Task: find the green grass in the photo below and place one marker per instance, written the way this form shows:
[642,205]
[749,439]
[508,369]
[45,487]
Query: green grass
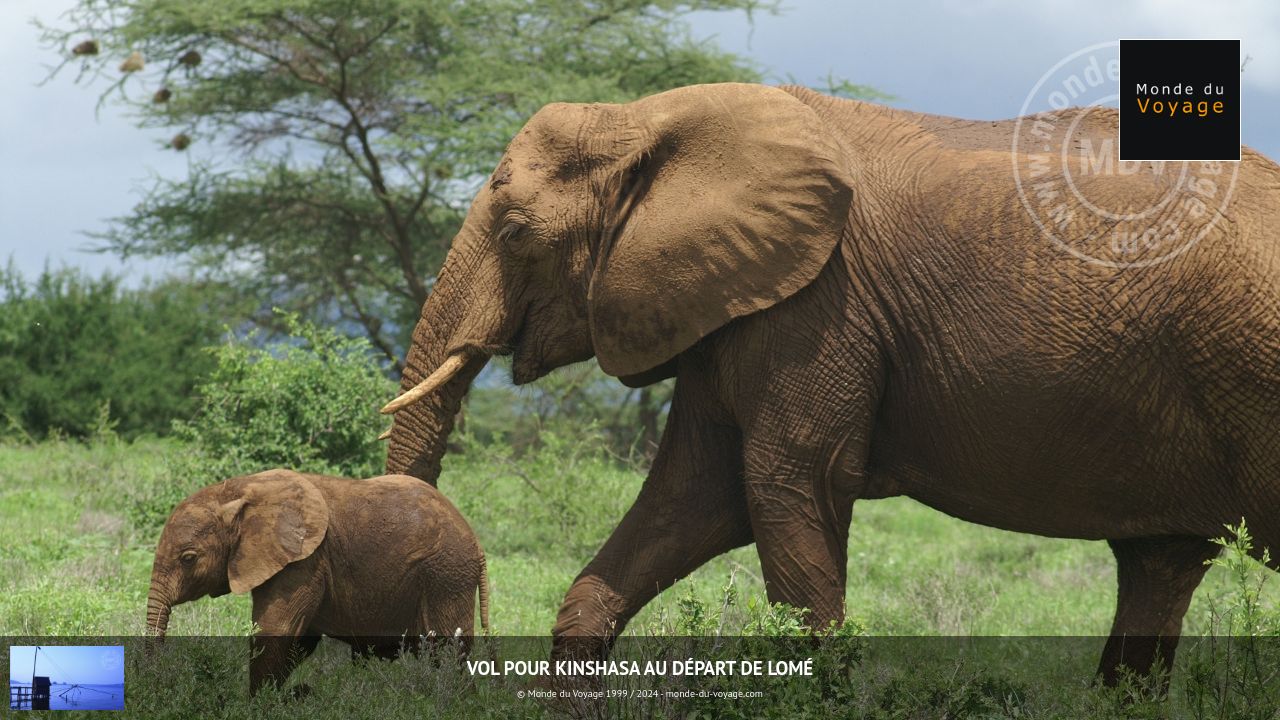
[75,556]
[72,561]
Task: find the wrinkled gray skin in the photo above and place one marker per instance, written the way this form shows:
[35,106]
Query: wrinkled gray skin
[371,562]
[855,304]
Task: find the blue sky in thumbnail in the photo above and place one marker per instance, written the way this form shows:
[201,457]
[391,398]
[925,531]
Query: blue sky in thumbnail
[75,664]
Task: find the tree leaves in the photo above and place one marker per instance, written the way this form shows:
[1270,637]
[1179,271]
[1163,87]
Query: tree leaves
[339,141]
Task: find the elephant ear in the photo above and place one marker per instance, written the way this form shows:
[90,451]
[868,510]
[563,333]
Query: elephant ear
[276,517]
[733,200]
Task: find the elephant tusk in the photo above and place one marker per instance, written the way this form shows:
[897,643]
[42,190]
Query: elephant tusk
[442,375]
[386,433]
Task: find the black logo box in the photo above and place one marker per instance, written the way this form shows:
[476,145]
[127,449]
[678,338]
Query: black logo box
[1157,73]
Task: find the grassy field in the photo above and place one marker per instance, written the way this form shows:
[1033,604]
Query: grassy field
[77,531]
[74,562]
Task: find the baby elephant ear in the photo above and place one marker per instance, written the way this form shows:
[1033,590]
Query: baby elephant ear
[276,517]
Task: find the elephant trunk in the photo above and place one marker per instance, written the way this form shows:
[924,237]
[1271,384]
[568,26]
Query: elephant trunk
[157,614]
[451,344]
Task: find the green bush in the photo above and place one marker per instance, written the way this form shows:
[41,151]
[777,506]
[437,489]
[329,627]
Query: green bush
[71,345]
[564,494]
[309,403]
[1232,669]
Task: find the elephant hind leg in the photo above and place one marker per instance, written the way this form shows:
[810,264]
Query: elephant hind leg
[1156,578]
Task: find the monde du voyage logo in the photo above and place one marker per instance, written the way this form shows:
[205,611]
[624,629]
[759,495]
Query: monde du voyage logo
[1180,100]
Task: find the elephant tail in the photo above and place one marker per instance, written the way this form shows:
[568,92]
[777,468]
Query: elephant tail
[483,592]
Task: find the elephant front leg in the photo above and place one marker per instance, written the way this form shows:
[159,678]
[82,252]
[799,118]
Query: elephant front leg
[690,509]
[802,477]
[283,608]
[802,536]
[275,657]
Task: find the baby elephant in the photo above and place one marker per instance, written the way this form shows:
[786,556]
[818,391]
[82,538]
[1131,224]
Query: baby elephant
[366,561]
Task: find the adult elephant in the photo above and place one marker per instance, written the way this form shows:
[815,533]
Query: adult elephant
[855,304]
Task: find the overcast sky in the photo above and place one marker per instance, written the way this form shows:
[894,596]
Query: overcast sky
[62,172]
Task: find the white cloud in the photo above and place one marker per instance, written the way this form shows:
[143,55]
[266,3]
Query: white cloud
[1255,22]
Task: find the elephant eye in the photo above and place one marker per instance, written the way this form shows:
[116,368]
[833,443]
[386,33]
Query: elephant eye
[509,233]
[188,557]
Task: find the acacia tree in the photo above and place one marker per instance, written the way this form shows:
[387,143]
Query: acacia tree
[336,142]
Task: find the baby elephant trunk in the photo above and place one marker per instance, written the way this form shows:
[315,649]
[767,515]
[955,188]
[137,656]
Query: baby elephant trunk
[157,614]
